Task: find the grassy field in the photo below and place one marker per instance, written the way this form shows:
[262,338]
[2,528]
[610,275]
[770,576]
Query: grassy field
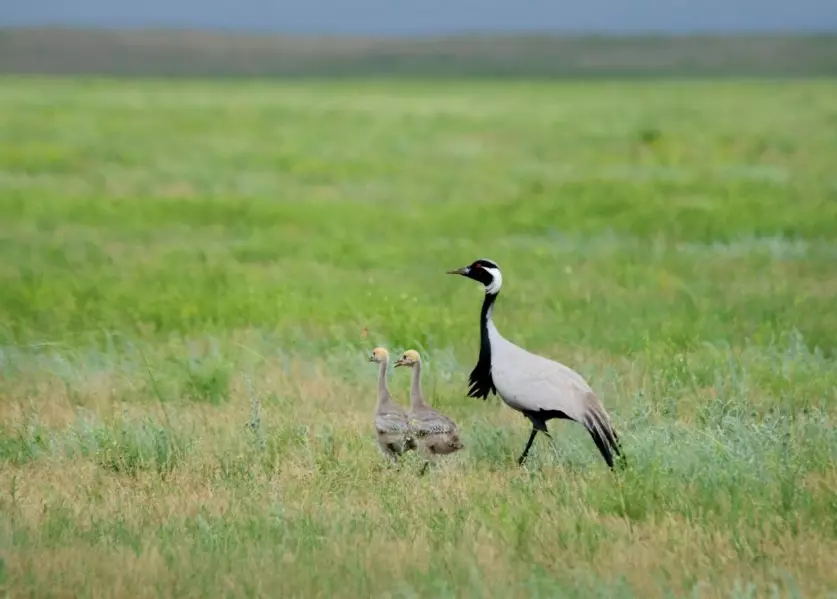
[170,253]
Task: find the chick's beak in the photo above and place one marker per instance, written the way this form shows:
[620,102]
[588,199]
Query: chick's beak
[459,271]
[398,362]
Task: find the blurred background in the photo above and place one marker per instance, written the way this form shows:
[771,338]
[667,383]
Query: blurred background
[211,212]
[375,37]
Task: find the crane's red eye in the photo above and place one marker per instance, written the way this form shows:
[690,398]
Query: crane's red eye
[476,265]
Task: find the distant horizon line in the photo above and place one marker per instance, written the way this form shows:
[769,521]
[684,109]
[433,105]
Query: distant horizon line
[428,35]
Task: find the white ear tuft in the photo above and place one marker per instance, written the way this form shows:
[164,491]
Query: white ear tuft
[496,280]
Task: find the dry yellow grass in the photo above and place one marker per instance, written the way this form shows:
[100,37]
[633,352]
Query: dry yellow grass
[80,525]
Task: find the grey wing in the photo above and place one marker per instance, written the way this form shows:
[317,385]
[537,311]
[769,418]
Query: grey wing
[432,423]
[535,383]
[391,423]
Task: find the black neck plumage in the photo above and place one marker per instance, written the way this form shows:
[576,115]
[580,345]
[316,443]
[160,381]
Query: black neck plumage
[480,381]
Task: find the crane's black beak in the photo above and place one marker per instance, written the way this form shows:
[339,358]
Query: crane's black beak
[464,271]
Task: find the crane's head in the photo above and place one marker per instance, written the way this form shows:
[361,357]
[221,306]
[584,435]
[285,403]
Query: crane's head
[410,358]
[379,354]
[484,271]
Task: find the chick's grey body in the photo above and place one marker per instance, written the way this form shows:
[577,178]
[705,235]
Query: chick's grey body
[392,426]
[435,433]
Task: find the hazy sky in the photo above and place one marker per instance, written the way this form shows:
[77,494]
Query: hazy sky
[431,16]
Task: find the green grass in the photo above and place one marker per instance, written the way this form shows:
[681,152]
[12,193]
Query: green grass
[171,253]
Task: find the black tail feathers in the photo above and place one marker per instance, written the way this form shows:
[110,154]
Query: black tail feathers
[605,439]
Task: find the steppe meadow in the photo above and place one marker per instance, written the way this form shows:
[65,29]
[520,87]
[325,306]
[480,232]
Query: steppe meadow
[193,274]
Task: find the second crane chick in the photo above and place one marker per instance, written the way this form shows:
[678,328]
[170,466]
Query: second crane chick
[435,433]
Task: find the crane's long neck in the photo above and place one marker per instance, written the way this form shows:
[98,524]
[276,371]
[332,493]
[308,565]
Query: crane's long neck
[485,322]
[480,381]
[383,392]
[416,396]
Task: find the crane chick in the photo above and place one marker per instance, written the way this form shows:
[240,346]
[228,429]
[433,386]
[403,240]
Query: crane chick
[391,422]
[435,433]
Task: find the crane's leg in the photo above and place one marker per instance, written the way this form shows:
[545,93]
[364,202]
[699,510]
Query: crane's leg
[528,446]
